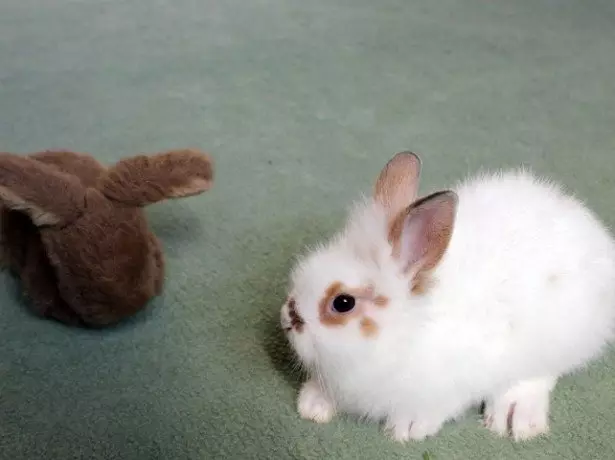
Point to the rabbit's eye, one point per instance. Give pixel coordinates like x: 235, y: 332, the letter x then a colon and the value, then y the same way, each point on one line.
x: 343, y: 303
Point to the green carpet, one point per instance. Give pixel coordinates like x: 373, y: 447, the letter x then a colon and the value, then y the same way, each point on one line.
x: 300, y: 103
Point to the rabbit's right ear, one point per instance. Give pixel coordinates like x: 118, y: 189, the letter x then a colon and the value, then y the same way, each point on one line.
x: 48, y: 196
x: 398, y: 183
x: 420, y: 235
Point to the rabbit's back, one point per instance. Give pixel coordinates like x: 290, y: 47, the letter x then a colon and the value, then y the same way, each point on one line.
x: 532, y: 264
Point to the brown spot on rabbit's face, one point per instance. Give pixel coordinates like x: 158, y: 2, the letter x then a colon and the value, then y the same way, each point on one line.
x: 369, y: 328
x: 328, y: 315
x: 381, y: 301
x: 340, y: 304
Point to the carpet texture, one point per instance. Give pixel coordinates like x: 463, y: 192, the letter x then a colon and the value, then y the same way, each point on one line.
x: 300, y: 103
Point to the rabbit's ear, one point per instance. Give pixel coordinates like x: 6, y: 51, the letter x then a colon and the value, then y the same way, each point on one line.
x: 398, y: 183
x: 48, y: 196
x: 143, y: 180
x: 420, y: 234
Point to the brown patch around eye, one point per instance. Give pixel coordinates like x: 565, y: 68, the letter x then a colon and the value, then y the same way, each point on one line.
x: 327, y: 317
x: 361, y: 295
x: 369, y: 328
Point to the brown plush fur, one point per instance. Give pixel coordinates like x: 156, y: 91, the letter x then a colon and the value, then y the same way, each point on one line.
x: 76, y: 235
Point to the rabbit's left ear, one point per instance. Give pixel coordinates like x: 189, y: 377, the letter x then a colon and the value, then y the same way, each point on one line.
x: 420, y: 235
x: 398, y: 183
x: 143, y: 180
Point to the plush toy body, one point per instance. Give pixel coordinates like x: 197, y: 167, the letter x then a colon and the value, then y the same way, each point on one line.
x: 75, y: 233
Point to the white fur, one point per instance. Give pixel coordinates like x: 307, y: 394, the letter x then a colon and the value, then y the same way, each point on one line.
x: 524, y: 294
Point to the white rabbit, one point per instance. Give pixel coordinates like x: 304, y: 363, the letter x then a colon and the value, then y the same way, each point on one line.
x: 420, y: 309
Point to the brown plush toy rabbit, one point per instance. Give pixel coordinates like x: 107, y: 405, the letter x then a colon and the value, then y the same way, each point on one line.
x: 75, y: 233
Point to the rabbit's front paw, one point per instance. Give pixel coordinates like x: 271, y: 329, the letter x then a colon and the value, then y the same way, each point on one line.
x: 402, y: 430
x: 522, y: 412
x: 313, y: 403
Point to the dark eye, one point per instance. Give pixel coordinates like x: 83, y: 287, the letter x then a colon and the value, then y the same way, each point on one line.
x: 343, y: 303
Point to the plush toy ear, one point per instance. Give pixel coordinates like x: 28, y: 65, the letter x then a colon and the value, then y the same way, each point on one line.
x: 144, y: 180
x: 48, y: 196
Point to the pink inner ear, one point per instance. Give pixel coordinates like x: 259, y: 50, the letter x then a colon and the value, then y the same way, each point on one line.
x: 426, y: 231
x: 414, y: 241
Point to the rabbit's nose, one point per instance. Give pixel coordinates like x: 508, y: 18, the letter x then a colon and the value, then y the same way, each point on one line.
x: 296, y: 321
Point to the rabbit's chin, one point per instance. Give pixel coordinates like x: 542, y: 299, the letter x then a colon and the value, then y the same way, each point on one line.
x: 303, y: 348
x: 334, y: 360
